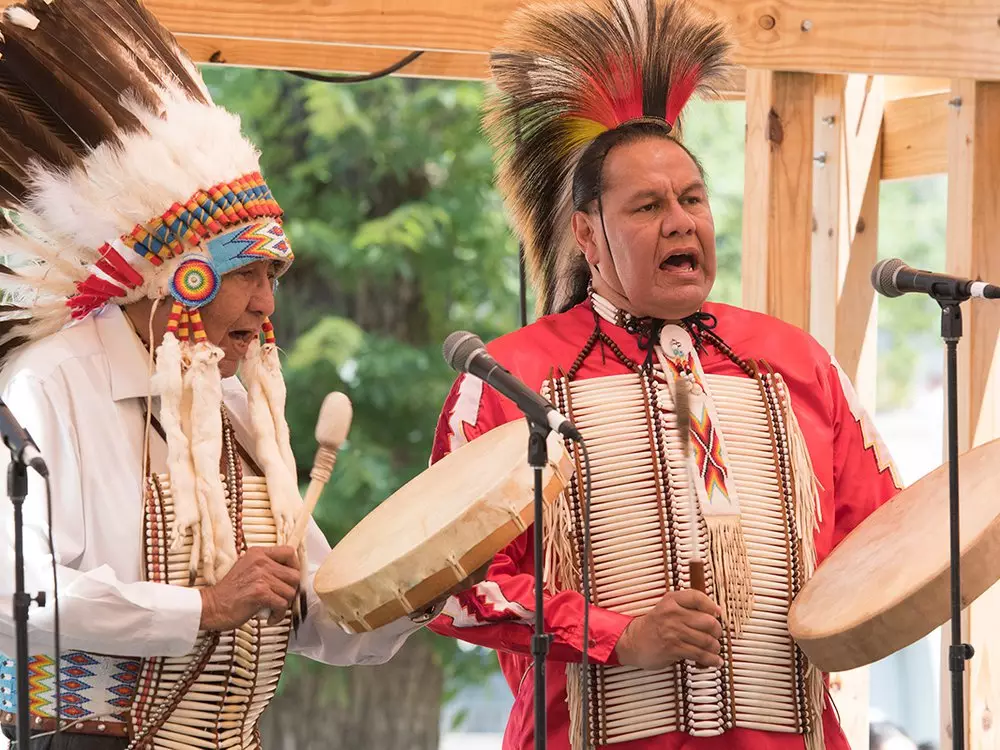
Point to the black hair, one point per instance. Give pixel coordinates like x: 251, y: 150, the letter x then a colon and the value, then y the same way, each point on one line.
x: 587, y: 177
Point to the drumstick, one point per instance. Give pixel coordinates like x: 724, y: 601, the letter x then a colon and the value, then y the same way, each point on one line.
x: 682, y: 410
x: 332, y: 426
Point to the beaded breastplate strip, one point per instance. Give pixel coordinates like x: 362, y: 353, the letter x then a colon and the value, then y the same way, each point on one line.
x: 214, y: 696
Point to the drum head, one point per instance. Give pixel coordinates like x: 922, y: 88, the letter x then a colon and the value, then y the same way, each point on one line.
x: 437, y: 529
x: 887, y: 584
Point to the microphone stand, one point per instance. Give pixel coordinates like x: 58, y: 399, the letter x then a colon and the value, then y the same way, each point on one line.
x: 17, y: 490
x: 958, y: 652
x: 538, y: 459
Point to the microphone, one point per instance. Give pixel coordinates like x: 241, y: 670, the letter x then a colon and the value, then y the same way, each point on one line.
x: 893, y: 278
x: 22, y: 447
x: 465, y: 352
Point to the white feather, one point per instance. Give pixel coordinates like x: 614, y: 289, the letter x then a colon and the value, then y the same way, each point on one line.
x: 192, y: 146
x: 282, y: 487
x: 63, y: 262
x: 168, y: 384
x: 274, y: 389
x: 43, y: 323
x: 186, y: 146
x: 22, y: 17
x: 202, y: 381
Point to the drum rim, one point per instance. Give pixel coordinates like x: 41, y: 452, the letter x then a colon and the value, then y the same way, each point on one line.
x: 340, y: 602
x: 899, y: 621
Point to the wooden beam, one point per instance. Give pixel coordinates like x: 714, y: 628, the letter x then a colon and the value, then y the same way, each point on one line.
x: 973, y: 228
x: 905, y: 87
x: 926, y: 37
x: 857, y: 307
x: 777, y: 207
x: 335, y: 58
x: 916, y: 137
x: 312, y: 56
x: 847, y: 129
x: 829, y: 211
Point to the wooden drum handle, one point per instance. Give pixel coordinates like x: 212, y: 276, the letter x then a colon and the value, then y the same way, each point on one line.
x: 697, y: 571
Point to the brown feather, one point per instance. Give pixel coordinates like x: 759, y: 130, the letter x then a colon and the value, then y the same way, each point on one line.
x: 15, y: 157
x: 123, y: 41
x: 8, y: 348
x: 148, y: 40
x: 11, y: 316
x: 20, y: 124
x: 53, y: 87
x: 101, y: 69
x: 63, y: 83
x: 26, y: 100
x: 12, y: 191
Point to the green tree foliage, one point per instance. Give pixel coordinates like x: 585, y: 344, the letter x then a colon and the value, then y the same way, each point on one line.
x: 913, y: 215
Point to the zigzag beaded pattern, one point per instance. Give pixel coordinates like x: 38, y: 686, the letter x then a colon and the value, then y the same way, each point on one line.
x: 93, y: 686
x: 640, y: 531
x: 205, y: 214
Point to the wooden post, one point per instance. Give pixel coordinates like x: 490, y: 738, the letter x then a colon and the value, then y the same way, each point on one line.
x: 777, y: 212
x: 848, y: 127
x: 974, y: 251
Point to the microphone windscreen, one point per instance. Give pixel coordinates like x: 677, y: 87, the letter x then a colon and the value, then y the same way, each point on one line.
x: 334, y: 421
x: 458, y: 347
x: 883, y: 277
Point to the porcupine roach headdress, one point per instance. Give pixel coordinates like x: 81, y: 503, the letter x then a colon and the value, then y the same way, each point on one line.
x: 564, y: 74
x: 125, y: 181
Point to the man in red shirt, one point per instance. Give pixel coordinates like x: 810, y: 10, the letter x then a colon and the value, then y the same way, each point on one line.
x: 716, y: 435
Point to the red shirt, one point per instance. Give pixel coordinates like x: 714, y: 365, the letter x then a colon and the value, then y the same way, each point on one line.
x: 851, y: 463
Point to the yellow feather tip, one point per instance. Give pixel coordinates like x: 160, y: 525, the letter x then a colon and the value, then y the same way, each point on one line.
x: 581, y: 131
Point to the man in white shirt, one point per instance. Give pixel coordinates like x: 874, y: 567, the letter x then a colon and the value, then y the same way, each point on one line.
x: 146, y: 248
x: 81, y: 394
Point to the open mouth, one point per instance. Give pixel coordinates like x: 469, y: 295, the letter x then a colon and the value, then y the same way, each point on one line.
x: 680, y: 262
x: 244, y: 336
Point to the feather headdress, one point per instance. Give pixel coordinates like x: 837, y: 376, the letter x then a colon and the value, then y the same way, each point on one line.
x: 122, y: 180
x: 566, y: 72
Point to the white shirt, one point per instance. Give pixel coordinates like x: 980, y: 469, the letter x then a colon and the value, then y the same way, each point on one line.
x: 81, y: 393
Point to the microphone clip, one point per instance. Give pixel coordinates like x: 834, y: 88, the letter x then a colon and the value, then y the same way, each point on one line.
x: 951, y: 318
x: 538, y: 447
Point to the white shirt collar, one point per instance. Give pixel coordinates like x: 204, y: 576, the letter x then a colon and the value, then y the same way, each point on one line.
x: 128, y: 360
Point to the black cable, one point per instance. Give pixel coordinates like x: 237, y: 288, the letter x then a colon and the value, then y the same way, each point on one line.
x: 585, y: 575
x: 359, y: 78
x: 522, y: 280
x: 55, y: 604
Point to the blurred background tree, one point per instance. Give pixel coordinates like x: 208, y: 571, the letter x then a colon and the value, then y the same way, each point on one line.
x: 400, y: 239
